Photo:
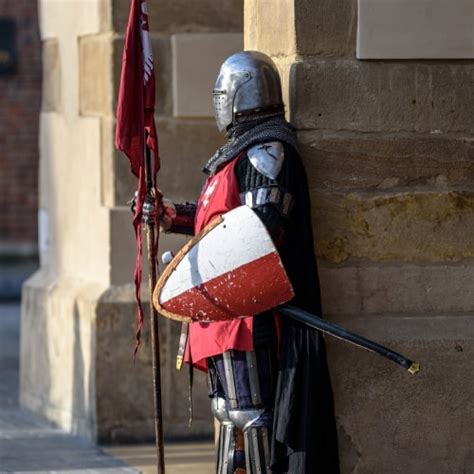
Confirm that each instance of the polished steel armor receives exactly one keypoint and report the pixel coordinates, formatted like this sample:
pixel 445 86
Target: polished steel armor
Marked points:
pixel 248 82
pixel 267 158
pixel 265 195
pixel 226 446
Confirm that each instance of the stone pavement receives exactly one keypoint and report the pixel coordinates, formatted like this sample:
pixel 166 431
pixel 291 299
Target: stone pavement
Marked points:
pixel 180 458
pixel 28 444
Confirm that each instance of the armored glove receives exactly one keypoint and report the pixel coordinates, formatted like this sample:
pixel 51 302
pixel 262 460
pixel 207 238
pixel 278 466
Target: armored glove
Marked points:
pixel 149 214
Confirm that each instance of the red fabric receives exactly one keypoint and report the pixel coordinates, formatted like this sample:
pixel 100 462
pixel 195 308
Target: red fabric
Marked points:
pixel 220 195
pixel 136 104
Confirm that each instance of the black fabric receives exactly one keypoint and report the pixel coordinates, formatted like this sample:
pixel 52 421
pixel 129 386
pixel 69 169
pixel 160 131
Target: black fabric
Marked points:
pixel 304 432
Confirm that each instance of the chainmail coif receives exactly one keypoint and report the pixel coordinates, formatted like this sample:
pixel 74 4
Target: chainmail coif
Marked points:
pixel 245 134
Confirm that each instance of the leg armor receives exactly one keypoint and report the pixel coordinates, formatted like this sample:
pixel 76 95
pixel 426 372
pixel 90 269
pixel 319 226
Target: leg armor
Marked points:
pixel 256 426
pixel 243 386
pixel 247 380
pixel 230 452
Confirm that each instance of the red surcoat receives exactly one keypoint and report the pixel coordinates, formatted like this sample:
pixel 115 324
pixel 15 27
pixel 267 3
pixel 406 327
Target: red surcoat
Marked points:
pixel 220 195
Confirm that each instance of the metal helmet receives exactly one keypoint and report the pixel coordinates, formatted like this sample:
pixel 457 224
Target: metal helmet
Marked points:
pixel 248 83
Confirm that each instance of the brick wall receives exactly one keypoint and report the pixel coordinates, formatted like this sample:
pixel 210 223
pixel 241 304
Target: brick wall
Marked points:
pixel 20 96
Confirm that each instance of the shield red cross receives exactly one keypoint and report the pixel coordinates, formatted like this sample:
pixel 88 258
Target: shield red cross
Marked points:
pixel 231 269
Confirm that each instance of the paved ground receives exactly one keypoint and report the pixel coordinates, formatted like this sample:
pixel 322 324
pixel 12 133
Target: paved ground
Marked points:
pixel 185 458
pixel 30 445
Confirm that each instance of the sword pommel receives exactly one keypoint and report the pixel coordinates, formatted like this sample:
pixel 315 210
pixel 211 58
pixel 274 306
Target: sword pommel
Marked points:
pixel 414 368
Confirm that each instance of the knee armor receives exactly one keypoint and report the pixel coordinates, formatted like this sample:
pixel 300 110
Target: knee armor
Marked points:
pixel 256 426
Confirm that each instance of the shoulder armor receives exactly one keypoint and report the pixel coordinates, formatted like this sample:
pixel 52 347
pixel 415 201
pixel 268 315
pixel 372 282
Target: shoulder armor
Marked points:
pixel 267 158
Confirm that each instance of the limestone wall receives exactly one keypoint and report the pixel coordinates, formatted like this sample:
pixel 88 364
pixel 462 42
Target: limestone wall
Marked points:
pixel 388 148
pixel 78 318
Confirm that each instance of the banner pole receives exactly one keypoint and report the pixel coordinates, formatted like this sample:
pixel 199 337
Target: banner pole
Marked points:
pixel 155 339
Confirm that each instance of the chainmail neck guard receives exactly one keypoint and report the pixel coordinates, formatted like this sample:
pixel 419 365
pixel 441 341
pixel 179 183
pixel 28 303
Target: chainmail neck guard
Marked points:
pixel 246 134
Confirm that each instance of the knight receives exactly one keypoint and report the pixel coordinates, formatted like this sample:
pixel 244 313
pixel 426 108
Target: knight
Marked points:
pixel 268 377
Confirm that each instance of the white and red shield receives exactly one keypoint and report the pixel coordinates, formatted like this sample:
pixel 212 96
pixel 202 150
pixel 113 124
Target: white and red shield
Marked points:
pixel 229 270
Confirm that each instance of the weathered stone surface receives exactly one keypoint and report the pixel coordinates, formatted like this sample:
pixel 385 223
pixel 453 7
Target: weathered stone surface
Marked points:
pixel 197 58
pixel 362 288
pixel 185 147
pixel 56 378
pixel 178 16
pixel 63 19
pixel 85 379
pixel 95 78
pixel 124 389
pixel 307 28
pixel 404 29
pixel 392 422
pixel 161 47
pixel 259 22
pixel 326 27
pixel 411 226
pixel 371 96
pixel 51 96
pixel 340 160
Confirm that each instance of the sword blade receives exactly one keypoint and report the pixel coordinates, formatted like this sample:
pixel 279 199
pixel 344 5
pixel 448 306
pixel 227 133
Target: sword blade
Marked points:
pixel 339 332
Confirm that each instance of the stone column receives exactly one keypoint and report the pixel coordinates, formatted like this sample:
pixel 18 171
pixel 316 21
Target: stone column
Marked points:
pixel 79 313
pixel 388 150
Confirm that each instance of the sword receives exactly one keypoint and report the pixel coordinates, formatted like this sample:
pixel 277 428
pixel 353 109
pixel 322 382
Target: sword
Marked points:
pixel 339 332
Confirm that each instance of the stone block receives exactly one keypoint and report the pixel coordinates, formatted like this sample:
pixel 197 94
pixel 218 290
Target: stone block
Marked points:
pixel 392 422
pixel 56 352
pixel 362 288
pixel 95 75
pixel 326 27
pixel 273 34
pixel 124 389
pixel 392 97
pixel 346 160
pixel 185 147
pixel 197 58
pixel 161 48
pixel 431 29
pixel 176 16
pixel 51 95
pixel 70 18
pixel 404 227
pixel 84 378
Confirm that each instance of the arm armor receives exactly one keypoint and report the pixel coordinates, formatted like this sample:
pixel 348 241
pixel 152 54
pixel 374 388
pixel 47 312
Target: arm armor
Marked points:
pixel 183 222
pixel 269 193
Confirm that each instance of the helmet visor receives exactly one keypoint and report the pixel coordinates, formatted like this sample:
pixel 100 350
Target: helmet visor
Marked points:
pixel 222 109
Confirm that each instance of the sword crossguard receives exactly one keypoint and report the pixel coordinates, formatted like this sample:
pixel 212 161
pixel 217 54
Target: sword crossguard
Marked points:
pixel 414 368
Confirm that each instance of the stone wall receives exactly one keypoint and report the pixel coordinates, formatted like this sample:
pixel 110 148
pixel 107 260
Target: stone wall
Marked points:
pixel 388 148
pixel 79 313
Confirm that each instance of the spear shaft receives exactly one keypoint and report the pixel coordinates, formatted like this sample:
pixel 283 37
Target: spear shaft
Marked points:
pixel 155 339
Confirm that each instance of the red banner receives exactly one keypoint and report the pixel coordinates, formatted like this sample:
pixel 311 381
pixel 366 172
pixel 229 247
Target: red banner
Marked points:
pixel 135 120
